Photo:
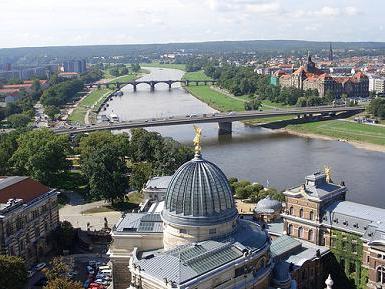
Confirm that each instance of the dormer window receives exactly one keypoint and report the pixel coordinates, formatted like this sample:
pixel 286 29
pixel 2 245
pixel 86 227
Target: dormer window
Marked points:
pixel 335 221
pixel 345 223
pixel 355 225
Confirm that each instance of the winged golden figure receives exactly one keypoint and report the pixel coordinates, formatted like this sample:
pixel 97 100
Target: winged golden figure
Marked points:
pixel 197 139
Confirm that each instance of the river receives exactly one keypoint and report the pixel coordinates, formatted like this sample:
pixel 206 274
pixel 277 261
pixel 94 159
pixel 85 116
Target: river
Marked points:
pixel 255 153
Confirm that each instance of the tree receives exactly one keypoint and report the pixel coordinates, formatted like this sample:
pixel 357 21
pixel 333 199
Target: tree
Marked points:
pixel 103 163
pixel 302 101
pixel 135 67
pixel 13 272
pixel 8 145
pixel 64 236
pixel 62 92
pixel 57 276
pixel 18 120
pixel 140 173
pixel 377 107
pixel 124 71
pixel 41 154
pixel 51 111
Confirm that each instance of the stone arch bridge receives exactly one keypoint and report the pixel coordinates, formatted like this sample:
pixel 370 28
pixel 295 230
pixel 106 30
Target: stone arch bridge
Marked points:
pixel 151 83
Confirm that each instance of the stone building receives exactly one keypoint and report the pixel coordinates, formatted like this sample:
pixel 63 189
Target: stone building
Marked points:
pixel 155 188
pixel 193 239
pixel 309 76
pixel 317 211
pixel 28 213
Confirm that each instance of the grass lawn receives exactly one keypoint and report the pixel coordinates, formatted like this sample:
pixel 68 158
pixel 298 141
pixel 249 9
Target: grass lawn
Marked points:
pixel 196 75
pixel 215 99
pixel 344 130
pixel 164 65
pixel 94 98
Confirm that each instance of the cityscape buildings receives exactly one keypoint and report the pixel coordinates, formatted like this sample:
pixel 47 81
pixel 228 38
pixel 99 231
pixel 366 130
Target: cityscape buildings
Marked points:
pixel 28 214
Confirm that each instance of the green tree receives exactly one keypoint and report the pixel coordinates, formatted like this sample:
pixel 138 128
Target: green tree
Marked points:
pixel 377 107
pixel 302 101
pixel 41 154
pixel 57 276
pixel 8 145
pixel 135 67
pixel 103 163
pixel 63 237
pixel 51 111
pixel 124 71
pixel 140 173
pixel 18 120
pixel 13 272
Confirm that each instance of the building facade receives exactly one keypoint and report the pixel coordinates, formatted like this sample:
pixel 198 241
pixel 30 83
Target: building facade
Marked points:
pixel 317 212
pixel 28 213
pixel 309 76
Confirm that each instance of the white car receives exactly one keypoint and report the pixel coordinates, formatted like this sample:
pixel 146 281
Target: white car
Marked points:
pixel 40 266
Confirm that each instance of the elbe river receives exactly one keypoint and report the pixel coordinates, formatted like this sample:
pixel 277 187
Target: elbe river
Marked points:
pixel 253 153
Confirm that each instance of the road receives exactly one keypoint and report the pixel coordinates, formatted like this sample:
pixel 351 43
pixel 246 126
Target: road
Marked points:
pixel 207 118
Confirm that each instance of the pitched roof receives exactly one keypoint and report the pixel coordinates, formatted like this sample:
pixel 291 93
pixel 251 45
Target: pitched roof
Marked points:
pixel 18 187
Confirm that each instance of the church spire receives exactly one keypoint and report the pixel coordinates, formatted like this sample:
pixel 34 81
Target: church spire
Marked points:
pixel 330 52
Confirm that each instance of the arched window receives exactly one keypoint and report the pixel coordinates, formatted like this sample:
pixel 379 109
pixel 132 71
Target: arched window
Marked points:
pixel 310 235
pixel 301 213
pixel 311 215
pixel 291 211
pixel 290 229
pixel 381 274
pixel 300 232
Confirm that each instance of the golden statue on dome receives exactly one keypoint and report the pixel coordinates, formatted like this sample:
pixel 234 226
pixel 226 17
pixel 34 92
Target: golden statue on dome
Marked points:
pixel 328 173
pixel 197 140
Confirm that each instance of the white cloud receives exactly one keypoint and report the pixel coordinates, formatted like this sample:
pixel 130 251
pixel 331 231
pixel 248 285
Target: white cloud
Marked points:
pixel 328 11
pixel 351 11
pixel 271 7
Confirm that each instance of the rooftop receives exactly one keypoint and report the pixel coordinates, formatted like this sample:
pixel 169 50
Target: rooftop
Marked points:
pixel 158 182
pixel 140 223
pixel 19 187
pixel 190 261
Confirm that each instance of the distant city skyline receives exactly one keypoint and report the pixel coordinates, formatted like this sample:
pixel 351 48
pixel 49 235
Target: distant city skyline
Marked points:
pixel 86 22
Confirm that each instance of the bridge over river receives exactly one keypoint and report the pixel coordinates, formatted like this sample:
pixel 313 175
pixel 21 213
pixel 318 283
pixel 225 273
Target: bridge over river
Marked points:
pixel 224 120
pixel 151 83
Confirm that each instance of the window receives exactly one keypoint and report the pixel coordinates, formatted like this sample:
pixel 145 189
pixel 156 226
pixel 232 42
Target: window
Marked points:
pixel 212 231
pixel 183 231
pixel 300 232
pixel 310 235
pixel 381 274
pixel 291 211
pixel 301 213
pixel 290 229
pixel 311 215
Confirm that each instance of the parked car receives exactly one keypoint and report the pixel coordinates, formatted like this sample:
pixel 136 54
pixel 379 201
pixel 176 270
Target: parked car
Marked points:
pixel 40 266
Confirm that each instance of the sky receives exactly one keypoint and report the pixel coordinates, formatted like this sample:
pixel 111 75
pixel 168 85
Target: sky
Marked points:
pixel 86 22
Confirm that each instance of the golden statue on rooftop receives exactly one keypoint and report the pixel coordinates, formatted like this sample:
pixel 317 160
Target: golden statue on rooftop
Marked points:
pixel 197 140
pixel 328 173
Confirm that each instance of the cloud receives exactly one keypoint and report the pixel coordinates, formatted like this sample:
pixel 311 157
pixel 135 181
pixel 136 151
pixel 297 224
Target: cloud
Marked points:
pixel 262 8
pixel 351 11
pixel 328 11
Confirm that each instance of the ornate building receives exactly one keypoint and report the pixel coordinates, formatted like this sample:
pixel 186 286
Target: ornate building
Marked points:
pixel 309 76
pixel 193 239
pixel 317 212
pixel 28 213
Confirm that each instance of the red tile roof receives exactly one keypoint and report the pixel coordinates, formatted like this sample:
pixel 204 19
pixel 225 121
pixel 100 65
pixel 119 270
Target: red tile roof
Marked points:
pixel 20 188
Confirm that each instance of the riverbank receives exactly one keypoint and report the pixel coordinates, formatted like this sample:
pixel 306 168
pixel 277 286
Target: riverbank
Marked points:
pixel 86 108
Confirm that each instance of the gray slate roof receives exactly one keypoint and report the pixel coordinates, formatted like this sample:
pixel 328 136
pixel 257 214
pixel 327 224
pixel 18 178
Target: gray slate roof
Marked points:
pixel 268 205
pixel 140 223
pixel 160 183
pixel 9 181
pixel 189 261
pixel 365 220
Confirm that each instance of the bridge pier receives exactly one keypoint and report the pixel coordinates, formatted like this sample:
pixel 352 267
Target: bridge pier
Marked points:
pixel 134 85
pixel 196 83
pixel 225 127
pixel 169 84
pixel 152 84
pixel 187 82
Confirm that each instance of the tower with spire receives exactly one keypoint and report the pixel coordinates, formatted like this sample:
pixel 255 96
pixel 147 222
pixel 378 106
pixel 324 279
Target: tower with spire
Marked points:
pixel 330 52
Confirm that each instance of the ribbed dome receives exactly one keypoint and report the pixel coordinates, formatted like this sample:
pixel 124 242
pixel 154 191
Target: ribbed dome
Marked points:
pixel 199 194
pixel 267 205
